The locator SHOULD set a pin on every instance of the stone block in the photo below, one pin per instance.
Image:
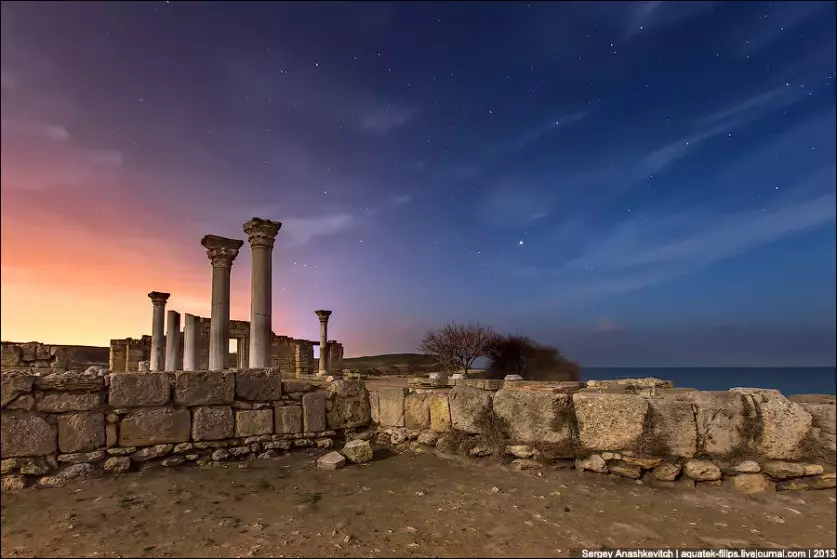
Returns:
(288, 419)
(26, 434)
(485, 384)
(702, 470)
(314, 411)
(358, 451)
(609, 421)
(80, 457)
(81, 381)
(720, 420)
(289, 386)
(258, 385)
(824, 417)
(783, 426)
(391, 406)
(468, 408)
(783, 470)
(204, 388)
(331, 461)
(374, 407)
(670, 429)
(417, 410)
(23, 402)
(148, 426)
(117, 465)
(250, 423)
(59, 402)
(349, 405)
(81, 432)
(139, 389)
(536, 415)
(440, 412)
(212, 423)
(13, 384)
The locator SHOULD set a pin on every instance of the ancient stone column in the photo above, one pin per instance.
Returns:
(221, 252)
(261, 233)
(158, 330)
(173, 358)
(323, 316)
(191, 325)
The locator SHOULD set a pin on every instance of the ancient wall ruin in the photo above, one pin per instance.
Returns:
(51, 357)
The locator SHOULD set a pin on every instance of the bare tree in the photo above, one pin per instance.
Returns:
(456, 346)
(523, 356)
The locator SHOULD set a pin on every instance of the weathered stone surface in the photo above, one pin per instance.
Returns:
(81, 457)
(288, 419)
(793, 485)
(751, 483)
(71, 380)
(824, 481)
(111, 435)
(59, 402)
(374, 407)
(523, 464)
(824, 418)
(139, 389)
(521, 450)
(297, 386)
(440, 413)
(644, 462)
(484, 384)
(447, 445)
(9, 465)
(428, 437)
(469, 407)
(76, 471)
(535, 415)
(38, 466)
(13, 384)
(313, 411)
(204, 388)
(212, 423)
(391, 406)
(783, 470)
(12, 483)
(331, 461)
(348, 406)
(670, 428)
(784, 425)
(720, 418)
(417, 410)
(609, 421)
(593, 463)
(258, 385)
(142, 427)
(748, 467)
(26, 434)
(702, 470)
(151, 452)
(813, 469)
(173, 461)
(666, 472)
(624, 469)
(251, 423)
(358, 451)
(23, 402)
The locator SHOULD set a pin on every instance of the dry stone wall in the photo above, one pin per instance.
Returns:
(753, 439)
(85, 424)
(46, 358)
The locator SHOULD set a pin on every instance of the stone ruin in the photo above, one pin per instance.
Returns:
(203, 343)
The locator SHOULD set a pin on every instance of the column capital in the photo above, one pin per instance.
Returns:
(158, 298)
(323, 315)
(221, 250)
(262, 232)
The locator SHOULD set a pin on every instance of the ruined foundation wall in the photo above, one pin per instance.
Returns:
(83, 424)
(53, 357)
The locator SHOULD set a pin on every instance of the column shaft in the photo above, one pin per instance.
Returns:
(219, 326)
(158, 331)
(190, 342)
(173, 358)
(261, 327)
(323, 364)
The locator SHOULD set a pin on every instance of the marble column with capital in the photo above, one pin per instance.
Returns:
(174, 360)
(261, 234)
(158, 329)
(221, 252)
(323, 365)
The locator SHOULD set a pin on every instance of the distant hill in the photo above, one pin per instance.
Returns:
(391, 364)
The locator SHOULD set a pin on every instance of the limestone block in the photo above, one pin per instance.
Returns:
(331, 461)
(139, 389)
(81, 381)
(258, 385)
(391, 406)
(824, 417)
(111, 435)
(23, 402)
(80, 457)
(417, 410)
(81, 432)
(349, 405)
(784, 425)
(117, 464)
(314, 411)
(702, 470)
(594, 463)
(748, 467)
(720, 420)
(250, 423)
(468, 408)
(289, 386)
(38, 466)
(485, 384)
(624, 469)
(666, 472)
(751, 483)
(374, 407)
(143, 427)
(609, 421)
(535, 415)
(76, 471)
(358, 451)
(204, 388)
(783, 470)
(212, 423)
(58, 402)
(151, 452)
(670, 429)
(13, 384)
(288, 419)
(13, 483)
(26, 434)
(440, 413)
(347, 388)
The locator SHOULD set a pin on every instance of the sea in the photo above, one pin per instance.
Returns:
(788, 380)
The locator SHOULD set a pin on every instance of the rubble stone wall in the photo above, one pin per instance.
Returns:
(754, 439)
(53, 357)
(76, 424)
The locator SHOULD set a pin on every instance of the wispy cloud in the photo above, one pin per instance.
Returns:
(782, 20)
(516, 204)
(402, 200)
(383, 120)
(657, 15)
(534, 134)
(300, 231)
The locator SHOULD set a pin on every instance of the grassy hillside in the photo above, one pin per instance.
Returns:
(391, 364)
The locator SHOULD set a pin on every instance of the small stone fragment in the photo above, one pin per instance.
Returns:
(118, 464)
(666, 472)
(751, 483)
(702, 470)
(358, 451)
(594, 463)
(748, 467)
(331, 461)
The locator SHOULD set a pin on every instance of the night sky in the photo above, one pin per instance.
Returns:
(638, 183)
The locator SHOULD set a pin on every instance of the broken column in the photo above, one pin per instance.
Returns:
(221, 252)
(323, 316)
(191, 324)
(173, 357)
(261, 233)
(158, 329)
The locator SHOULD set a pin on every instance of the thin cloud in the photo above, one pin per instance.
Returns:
(658, 15)
(530, 136)
(384, 120)
(784, 18)
(301, 231)
(402, 200)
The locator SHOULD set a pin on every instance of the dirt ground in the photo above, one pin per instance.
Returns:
(407, 505)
